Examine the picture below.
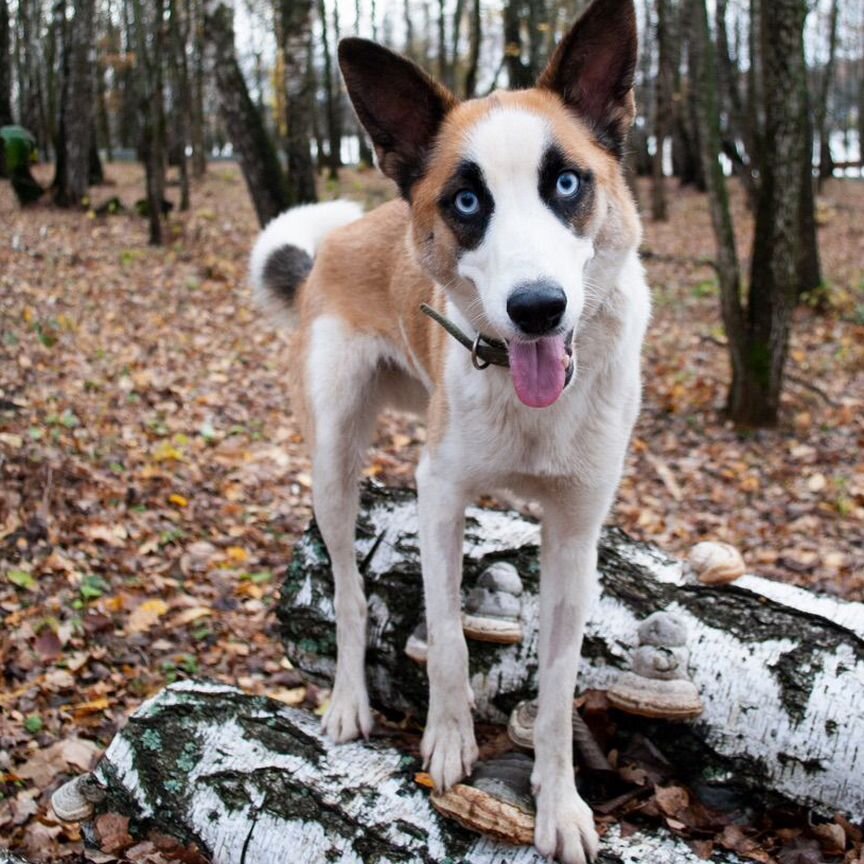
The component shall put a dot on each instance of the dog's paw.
(449, 748)
(348, 715)
(565, 826)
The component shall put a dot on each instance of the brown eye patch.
(575, 210)
(469, 228)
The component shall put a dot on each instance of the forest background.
(152, 478)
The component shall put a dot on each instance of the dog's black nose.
(537, 307)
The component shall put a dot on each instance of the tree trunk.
(194, 15)
(738, 131)
(76, 107)
(295, 26)
(364, 150)
(519, 74)
(180, 96)
(5, 67)
(826, 162)
(781, 266)
(334, 134)
(780, 671)
(255, 151)
(662, 111)
(149, 28)
(470, 87)
(703, 78)
(410, 51)
(442, 42)
(455, 39)
(29, 65)
(247, 780)
(686, 158)
(695, 164)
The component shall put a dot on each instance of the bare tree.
(662, 110)
(758, 333)
(195, 17)
(826, 162)
(150, 39)
(331, 97)
(180, 96)
(365, 150)
(473, 50)
(252, 144)
(737, 126)
(5, 67)
(294, 20)
(72, 172)
(519, 73)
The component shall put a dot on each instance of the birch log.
(251, 781)
(780, 670)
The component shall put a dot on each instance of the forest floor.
(152, 478)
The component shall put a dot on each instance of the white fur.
(568, 456)
(304, 227)
(524, 241)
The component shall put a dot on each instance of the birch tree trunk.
(76, 107)
(781, 671)
(247, 779)
(295, 27)
(255, 150)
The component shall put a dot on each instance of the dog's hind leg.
(341, 387)
(449, 747)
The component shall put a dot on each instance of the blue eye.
(568, 184)
(466, 202)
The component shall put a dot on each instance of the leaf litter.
(153, 480)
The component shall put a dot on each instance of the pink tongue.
(538, 370)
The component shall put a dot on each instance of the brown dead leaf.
(672, 800)
(76, 754)
(146, 615)
(113, 831)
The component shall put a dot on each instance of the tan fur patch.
(375, 273)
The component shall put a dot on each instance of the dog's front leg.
(565, 825)
(449, 747)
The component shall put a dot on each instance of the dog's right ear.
(399, 105)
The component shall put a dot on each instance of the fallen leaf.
(146, 615)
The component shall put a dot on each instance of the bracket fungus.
(716, 563)
(659, 685)
(76, 800)
(493, 607)
(495, 800)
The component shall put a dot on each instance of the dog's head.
(514, 194)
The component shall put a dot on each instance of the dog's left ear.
(593, 70)
(399, 105)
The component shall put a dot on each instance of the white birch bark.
(254, 782)
(780, 670)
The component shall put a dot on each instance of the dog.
(516, 229)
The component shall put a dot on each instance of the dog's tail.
(282, 256)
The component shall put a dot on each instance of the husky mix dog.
(516, 225)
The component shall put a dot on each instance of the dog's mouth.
(542, 368)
